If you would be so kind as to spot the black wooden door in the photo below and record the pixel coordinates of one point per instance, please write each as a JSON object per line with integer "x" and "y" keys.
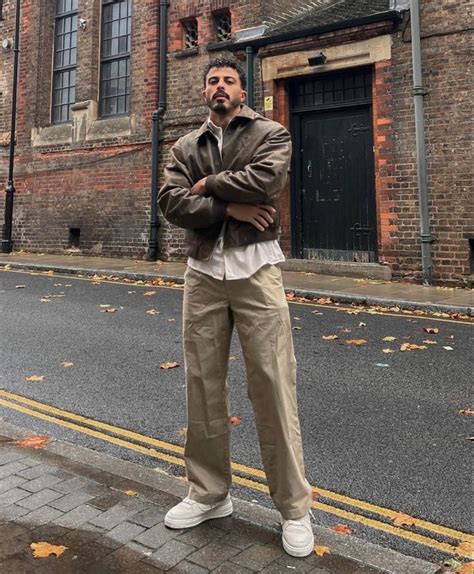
{"x": 333, "y": 186}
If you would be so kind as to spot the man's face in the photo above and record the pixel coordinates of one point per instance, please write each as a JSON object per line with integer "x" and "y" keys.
{"x": 223, "y": 92}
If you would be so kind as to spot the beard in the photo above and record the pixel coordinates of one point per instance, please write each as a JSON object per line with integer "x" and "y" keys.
{"x": 222, "y": 107}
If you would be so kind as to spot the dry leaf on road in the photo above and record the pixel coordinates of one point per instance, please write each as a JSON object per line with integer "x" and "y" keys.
{"x": 35, "y": 378}
{"x": 412, "y": 347}
{"x": 321, "y": 550}
{"x": 467, "y": 568}
{"x": 109, "y": 310}
{"x": 465, "y": 548}
{"x": 329, "y": 337}
{"x": 235, "y": 421}
{"x": 149, "y": 293}
{"x": 44, "y": 549}
{"x": 466, "y": 412}
{"x": 324, "y": 301}
{"x": 357, "y": 342}
{"x": 388, "y": 351}
{"x": 389, "y": 339}
{"x": 32, "y": 441}
{"x": 67, "y": 364}
{"x": 342, "y": 529}
{"x": 431, "y": 330}
{"x": 152, "y": 312}
{"x": 169, "y": 365}
{"x": 130, "y": 492}
{"x": 402, "y": 519}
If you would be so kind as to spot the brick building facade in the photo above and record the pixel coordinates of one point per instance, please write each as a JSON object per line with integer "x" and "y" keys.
{"x": 84, "y": 182}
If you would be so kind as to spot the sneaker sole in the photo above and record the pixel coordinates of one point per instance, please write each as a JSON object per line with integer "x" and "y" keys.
{"x": 219, "y": 512}
{"x": 298, "y": 552}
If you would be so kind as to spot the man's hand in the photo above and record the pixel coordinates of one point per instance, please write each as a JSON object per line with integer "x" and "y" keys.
{"x": 199, "y": 188}
{"x": 260, "y": 215}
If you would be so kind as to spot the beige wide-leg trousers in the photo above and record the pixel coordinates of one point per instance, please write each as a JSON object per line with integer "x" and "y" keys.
{"x": 257, "y": 307}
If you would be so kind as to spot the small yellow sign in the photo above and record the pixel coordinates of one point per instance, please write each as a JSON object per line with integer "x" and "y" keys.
{"x": 268, "y": 103}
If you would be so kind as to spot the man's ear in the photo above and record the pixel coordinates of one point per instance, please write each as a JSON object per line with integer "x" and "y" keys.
{"x": 243, "y": 96}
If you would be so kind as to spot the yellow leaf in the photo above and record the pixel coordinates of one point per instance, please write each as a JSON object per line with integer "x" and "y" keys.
{"x": 467, "y": 568}
{"x": 324, "y": 301}
{"x": 152, "y": 312}
{"x": 67, "y": 364}
{"x": 130, "y": 493}
{"x": 169, "y": 365}
{"x": 321, "y": 550}
{"x": 412, "y": 347}
{"x": 429, "y": 342}
{"x": 44, "y": 549}
{"x": 388, "y": 351}
{"x": 232, "y": 358}
{"x": 149, "y": 293}
{"x": 104, "y": 306}
{"x": 389, "y": 339}
{"x": 329, "y": 337}
{"x": 356, "y": 342}
{"x": 401, "y": 519}
{"x": 32, "y": 441}
{"x": 7, "y": 267}
{"x": 34, "y": 378}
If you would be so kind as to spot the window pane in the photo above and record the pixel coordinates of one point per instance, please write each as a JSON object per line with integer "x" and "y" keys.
{"x": 115, "y": 49}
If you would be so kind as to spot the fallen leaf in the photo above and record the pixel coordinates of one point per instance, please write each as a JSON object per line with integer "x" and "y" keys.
{"x": 7, "y": 267}
{"x": 466, "y": 548}
{"x": 130, "y": 493}
{"x": 389, "y": 339}
{"x": 67, "y": 364}
{"x": 357, "y": 342}
{"x": 448, "y": 348}
{"x": 290, "y": 295}
{"x": 321, "y": 550}
{"x": 235, "y": 421}
{"x": 466, "y": 412}
{"x": 429, "y": 342}
{"x": 315, "y": 495}
{"x": 152, "y": 312}
{"x": 412, "y": 347}
{"x": 342, "y": 528}
{"x": 381, "y": 365}
{"x": 324, "y": 301}
{"x": 388, "y": 351}
{"x": 169, "y": 365}
{"x": 109, "y": 310}
{"x": 329, "y": 337}
{"x": 149, "y": 293}
{"x": 434, "y": 330}
{"x": 32, "y": 441}
{"x": 296, "y": 328}
{"x": 35, "y": 378}
{"x": 467, "y": 568}
{"x": 45, "y": 300}
{"x": 104, "y": 306}
{"x": 232, "y": 358}
{"x": 361, "y": 324}
{"x": 401, "y": 519}
{"x": 20, "y": 286}
{"x": 450, "y": 337}
{"x": 183, "y": 432}
{"x": 44, "y": 549}
{"x": 346, "y": 330}
{"x": 297, "y": 318}
{"x": 171, "y": 320}
{"x": 316, "y": 313}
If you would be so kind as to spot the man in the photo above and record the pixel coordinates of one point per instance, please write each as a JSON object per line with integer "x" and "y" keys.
{"x": 223, "y": 185}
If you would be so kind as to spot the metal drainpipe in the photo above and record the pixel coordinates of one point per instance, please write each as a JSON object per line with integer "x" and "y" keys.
{"x": 249, "y": 53}
{"x": 157, "y": 115}
{"x": 7, "y": 244}
{"x": 419, "y": 93}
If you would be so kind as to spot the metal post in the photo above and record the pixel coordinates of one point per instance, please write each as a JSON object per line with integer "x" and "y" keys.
{"x": 7, "y": 244}
{"x": 249, "y": 72}
{"x": 419, "y": 93}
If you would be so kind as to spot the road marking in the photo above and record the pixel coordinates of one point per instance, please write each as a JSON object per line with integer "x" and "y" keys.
{"x": 179, "y": 287}
{"x": 388, "y": 528}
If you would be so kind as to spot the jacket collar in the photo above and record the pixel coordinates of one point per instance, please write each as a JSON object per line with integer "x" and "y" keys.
{"x": 246, "y": 114}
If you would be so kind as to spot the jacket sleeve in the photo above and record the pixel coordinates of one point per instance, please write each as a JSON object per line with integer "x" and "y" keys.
{"x": 262, "y": 179}
{"x": 177, "y": 203}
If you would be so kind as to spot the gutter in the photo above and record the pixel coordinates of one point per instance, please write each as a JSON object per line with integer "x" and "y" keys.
{"x": 157, "y": 116}
{"x": 392, "y": 15}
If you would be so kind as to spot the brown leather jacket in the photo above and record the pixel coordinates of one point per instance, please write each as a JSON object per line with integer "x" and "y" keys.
{"x": 254, "y": 167}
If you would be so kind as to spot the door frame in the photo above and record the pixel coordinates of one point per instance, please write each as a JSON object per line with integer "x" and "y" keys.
{"x": 296, "y": 175}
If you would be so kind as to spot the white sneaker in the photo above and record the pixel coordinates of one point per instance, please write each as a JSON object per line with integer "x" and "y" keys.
{"x": 298, "y": 538}
{"x": 189, "y": 513}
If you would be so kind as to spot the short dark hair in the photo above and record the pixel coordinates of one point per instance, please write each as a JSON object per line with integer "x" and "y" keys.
{"x": 226, "y": 63}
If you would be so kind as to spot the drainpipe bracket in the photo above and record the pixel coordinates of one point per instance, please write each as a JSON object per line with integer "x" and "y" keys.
{"x": 427, "y": 238}
{"x": 420, "y": 91}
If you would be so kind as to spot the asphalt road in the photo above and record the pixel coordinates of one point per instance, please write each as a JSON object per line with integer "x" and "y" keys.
{"x": 382, "y": 428}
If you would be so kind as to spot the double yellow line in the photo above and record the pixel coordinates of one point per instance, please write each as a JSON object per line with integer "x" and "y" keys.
{"x": 426, "y": 533}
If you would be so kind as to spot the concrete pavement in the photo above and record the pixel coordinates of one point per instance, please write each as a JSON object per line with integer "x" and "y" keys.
{"x": 313, "y": 285}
